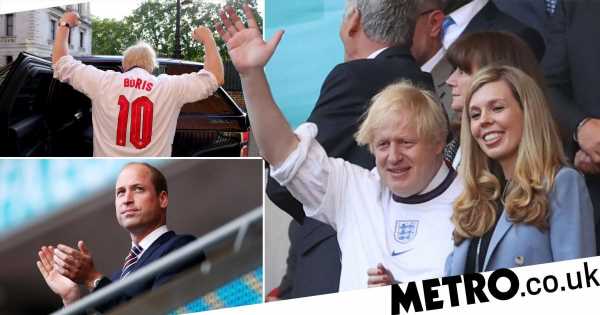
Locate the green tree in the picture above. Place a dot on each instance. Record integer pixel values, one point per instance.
(110, 37)
(154, 22)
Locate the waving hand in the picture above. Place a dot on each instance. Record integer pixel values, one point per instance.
(247, 49)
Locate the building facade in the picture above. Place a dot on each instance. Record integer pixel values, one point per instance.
(34, 32)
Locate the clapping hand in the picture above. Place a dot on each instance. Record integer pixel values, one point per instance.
(59, 284)
(77, 265)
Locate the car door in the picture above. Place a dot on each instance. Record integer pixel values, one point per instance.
(23, 92)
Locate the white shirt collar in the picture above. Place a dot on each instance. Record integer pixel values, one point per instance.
(437, 179)
(376, 53)
(461, 17)
(147, 241)
(457, 158)
(433, 61)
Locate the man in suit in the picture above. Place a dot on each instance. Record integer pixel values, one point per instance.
(376, 35)
(141, 200)
(441, 22)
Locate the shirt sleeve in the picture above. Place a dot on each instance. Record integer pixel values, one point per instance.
(571, 219)
(86, 79)
(313, 178)
(191, 87)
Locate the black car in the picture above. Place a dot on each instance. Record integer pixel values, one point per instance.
(40, 116)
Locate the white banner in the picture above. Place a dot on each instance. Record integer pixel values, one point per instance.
(570, 287)
(10, 6)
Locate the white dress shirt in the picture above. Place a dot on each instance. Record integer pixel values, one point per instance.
(147, 241)
(462, 17)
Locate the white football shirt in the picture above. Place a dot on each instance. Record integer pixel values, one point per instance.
(134, 113)
(411, 238)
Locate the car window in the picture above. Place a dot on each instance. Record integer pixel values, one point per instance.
(216, 104)
(4, 72)
(32, 96)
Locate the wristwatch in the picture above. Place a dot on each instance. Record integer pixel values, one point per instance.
(64, 23)
(97, 282)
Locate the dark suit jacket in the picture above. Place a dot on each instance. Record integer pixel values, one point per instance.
(490, 18)
(311, 244)
(344, 98)
(165, 244)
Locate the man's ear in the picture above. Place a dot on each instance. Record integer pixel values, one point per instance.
(436, 19)
(163, 199)
(353, 22)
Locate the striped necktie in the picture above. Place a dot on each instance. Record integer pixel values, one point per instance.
(551, 6)
(130, 260)
(448, 21)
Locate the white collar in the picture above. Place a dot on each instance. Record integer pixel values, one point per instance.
(433, 61)
(462, 17)
(147, 241)
(437, 179)
(457, 158)
(376, 53)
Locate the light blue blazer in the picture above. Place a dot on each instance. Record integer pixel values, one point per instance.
(570, 236)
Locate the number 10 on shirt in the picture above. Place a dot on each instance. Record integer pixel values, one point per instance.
(141, 113)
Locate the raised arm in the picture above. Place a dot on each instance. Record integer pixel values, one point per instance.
(61, 41)
(249, 54)
(212, 59)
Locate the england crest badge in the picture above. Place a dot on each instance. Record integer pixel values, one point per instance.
(405, 230)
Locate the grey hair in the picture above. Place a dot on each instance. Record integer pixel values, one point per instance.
(391, 22)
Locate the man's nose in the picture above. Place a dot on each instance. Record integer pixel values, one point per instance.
(396, 153)
(128, 196)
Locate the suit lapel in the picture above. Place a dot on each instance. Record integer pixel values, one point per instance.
(501, 228)
(440, 73)
(154, 247)
(459, 258)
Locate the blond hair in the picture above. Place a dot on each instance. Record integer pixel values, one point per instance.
(426, 113)
(539, 156)
(140, 55)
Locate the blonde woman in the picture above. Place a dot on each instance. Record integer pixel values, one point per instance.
(521, 204)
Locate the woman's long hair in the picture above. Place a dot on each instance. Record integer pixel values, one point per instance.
(539, 157)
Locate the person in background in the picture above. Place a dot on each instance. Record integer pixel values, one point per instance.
(444, 21)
